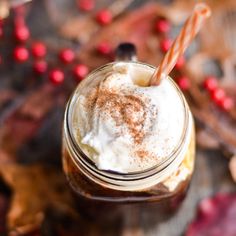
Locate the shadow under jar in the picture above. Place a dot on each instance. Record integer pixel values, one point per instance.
(150, 195)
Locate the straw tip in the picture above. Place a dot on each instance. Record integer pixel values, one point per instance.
(157, 78)
(203, 9)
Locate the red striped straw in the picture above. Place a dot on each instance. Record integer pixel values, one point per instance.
(190, 29)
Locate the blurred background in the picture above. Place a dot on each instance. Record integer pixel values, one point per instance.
(47, 47)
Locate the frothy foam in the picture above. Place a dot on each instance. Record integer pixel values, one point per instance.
(124, 125)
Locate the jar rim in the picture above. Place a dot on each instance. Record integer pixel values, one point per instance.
(87, 162)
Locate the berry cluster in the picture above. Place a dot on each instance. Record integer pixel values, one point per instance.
(103, 17)
(217, 94)
(162, 27)
(26, 48)
(39, 52)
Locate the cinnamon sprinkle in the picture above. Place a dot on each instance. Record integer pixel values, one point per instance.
(142, 153)
(128, 110)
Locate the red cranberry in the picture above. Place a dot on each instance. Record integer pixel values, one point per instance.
(226, 103)
(104, 17)
(56, 76)
(165, 44)
(80, 71)
(86, 5)
(67, 55)
(218, 95)
(104, 48)
(210, 83)
(180, 63)
(21, 54)
(22, 33)
(162, 26)
(184, 83)
(40, 67)
(1, 60)
(39, 49)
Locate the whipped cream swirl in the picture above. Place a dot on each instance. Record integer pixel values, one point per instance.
(124, 125)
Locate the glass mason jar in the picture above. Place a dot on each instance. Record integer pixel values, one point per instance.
(108, 194)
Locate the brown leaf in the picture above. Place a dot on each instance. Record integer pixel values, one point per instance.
(35, 189)
(25, 120)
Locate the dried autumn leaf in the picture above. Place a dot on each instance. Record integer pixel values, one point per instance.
(35, 189)
(24, 120)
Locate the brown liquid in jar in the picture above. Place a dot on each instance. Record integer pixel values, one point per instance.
(106, 205)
